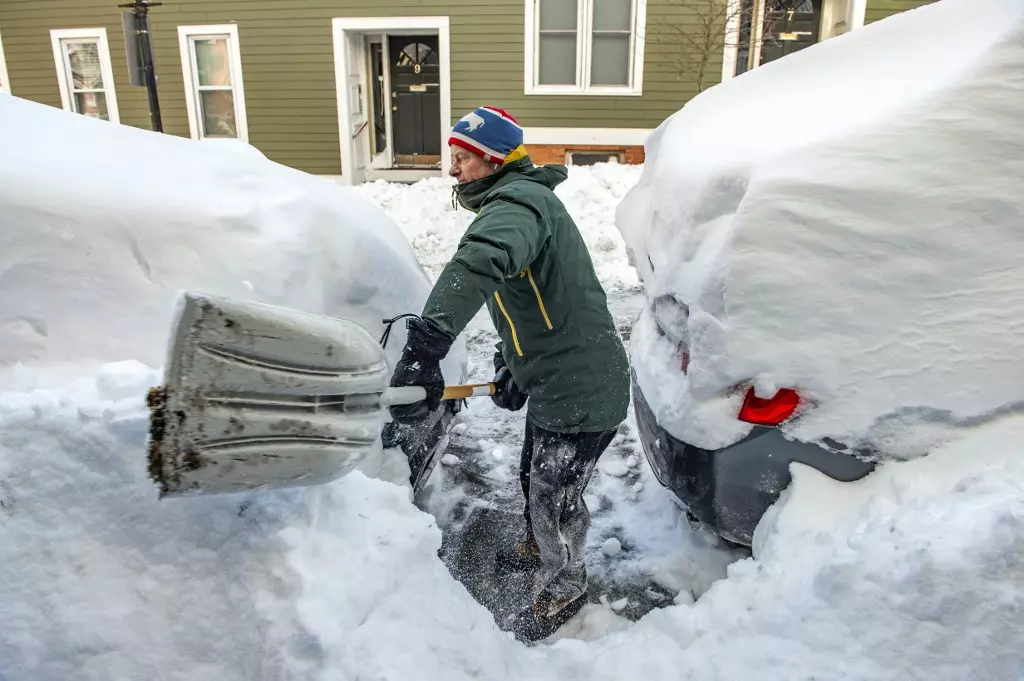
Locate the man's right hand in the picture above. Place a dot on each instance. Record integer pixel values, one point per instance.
(420, 365)
(507, 394)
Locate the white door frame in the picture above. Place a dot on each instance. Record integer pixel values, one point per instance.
(345, 29)
(5, 81)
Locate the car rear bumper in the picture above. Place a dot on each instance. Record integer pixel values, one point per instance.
(729, 489)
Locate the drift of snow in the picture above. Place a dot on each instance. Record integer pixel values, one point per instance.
(100, 580)
(427, 217)
(868, 254)
(91, 257)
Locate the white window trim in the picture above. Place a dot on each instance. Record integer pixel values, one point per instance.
(185, 33)
(635, 89)
(57, 36)
(5, 81)
(628, 137)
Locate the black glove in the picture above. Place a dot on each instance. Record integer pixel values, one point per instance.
(425, 347)
(507, 394)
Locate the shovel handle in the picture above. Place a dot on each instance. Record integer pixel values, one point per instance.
(414, 393)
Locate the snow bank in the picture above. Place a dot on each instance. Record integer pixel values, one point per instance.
(857, 239)
(425, 213)
(99, 580)
(92, 254)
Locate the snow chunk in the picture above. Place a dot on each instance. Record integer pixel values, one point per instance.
(615, 468)
(611, 547)
(450, 460)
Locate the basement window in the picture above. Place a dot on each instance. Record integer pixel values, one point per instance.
(589, 158)
(84, 75)
(211, 65)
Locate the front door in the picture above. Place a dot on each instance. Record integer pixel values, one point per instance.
(790, 26)
(415, 100)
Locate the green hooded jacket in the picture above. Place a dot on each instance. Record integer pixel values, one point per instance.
(524, 257)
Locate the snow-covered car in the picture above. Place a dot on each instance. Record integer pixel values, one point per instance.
(101, 225)
(831, 248)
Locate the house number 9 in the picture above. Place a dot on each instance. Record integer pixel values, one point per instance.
(416, 68)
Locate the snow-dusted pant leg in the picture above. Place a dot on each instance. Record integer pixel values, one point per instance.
(560, 467)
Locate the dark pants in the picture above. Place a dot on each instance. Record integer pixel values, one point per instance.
(554, 470)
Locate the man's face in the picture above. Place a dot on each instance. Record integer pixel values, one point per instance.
(467, 166)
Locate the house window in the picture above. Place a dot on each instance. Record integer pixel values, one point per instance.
(84, 75)
(589, 47)
(212, 68)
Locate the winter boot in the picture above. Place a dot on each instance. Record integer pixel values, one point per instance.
(546, 615)
(524, 556)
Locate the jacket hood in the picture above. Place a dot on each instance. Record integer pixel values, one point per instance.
(473, 195)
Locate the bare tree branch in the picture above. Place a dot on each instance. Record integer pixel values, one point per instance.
(699, 32)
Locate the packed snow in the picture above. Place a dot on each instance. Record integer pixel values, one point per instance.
(912, 572)
(859, 239)
(86, 252)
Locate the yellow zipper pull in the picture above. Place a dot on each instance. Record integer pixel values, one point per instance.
(540, 301)
(511, 326)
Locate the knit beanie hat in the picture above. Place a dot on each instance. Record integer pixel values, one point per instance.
(490, 133)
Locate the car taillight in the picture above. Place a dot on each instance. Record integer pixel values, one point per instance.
(769, 412)
(684, 361)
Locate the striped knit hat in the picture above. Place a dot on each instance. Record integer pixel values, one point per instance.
(490, 133)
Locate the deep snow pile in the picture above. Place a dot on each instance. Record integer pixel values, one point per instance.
(91, 256)
(918, 574)
(913, 572)
(859, 239)
(426, 215)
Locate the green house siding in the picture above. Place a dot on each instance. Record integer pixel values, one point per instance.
(288, 65)
(880, 9)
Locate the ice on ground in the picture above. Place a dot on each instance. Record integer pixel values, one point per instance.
(858, 239)
(100, 580)
(450, 460)
(91, 259)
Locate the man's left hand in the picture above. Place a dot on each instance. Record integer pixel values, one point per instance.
(420, 365)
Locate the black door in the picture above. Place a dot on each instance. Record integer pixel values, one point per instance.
(790, 26)
(415, 99)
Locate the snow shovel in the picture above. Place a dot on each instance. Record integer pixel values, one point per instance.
(262, 397)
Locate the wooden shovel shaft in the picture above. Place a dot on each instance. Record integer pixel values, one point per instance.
(413, 393)
(459, 392)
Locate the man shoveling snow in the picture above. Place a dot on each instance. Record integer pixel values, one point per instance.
(524, 257)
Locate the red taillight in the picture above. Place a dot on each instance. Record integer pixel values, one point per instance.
(770, 412)
(684, 361)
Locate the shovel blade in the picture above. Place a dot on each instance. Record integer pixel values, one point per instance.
(261, 397)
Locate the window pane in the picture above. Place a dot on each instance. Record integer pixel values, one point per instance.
(610, 60)
(218, 111)
(613, 15)
(93, 104)
(212, 62)
(557, 60)
(557, 15)
(84, 59)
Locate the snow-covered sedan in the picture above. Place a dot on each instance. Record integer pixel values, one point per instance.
(102, 224)
(831, 247)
